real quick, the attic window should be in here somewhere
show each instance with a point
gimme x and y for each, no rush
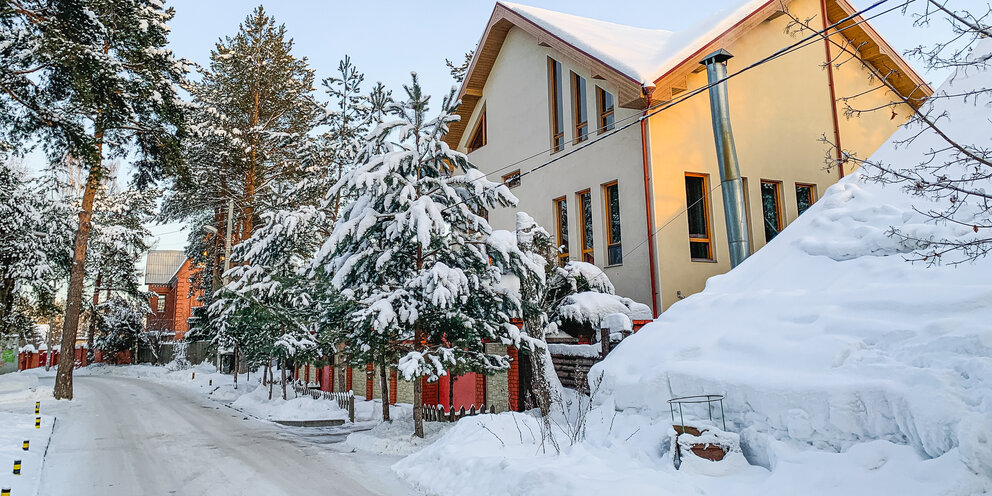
(554, 90)
(604, 105)
(580, 112)
(479, 134)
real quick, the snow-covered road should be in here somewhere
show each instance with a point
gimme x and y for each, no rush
(124, 436)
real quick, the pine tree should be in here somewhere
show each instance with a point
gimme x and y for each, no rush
(413, 255)
(458, 72)
(100, 83)
(253, 109)
(35, 247)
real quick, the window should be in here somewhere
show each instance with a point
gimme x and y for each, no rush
(604, 105)
(805, 196)
(512, 180)
(557, 126)
(161, 303)
(561, 228)
(580, 110)
(697, 200)
(479, 135)
(771, 207)
(614, 250)
(585, 226)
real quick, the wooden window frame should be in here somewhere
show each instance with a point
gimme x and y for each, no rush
(601, 114)
(780, 212)
(812, 195)
(707, 219)
(161, 303)
(558, 203)
(480, 127)
(555, 99)
(583, 239)
(579, 103)
(510, 181)
(608, 227)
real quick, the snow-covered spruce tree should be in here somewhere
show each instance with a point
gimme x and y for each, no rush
(537, 256)
(115, 247)
(35, 242)
(459, 71)
(103, 84)
(414, 256)
(119, 323)
(266, 311)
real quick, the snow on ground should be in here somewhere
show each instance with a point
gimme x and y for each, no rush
(258, 404)
(396, 437)
(846, 368)
(18, 394)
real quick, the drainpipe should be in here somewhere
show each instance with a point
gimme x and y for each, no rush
(646, 156)
(730, 172)
(833, 95)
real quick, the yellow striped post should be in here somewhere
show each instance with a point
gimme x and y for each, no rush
(5, 492)
(37, 407)
(17, 467)
(37, 422)
(26, 444)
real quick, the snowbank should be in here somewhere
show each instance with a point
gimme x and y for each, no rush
(396, 437)
(258, 404)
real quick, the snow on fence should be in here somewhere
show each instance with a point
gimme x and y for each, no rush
(573, 361)
(345, 400)
(436, 413)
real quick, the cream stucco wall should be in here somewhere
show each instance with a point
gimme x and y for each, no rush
(779, 111)
(517, 104)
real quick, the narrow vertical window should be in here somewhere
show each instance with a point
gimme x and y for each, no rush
(161, 303)
(614, 250)
(479, 134)
(604, 106)
(580, 110)
(561, 229)
(805, 196)
(585, 218)
(697, 201)
(771, 207)
(557, 126)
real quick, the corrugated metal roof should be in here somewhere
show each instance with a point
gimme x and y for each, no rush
(161, 265)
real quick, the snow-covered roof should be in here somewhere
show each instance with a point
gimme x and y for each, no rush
(639, 60)
(161, 265)
(641, 54)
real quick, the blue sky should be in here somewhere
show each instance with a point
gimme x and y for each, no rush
(387, 39)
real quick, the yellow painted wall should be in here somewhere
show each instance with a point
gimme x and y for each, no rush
(779, 111)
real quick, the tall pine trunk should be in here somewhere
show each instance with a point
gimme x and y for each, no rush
(418, 394)
(236, 367)
(74, 294)
(384, 387)
(282, 370)
(272, 380)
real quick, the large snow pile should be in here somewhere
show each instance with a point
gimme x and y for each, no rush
(846, 368)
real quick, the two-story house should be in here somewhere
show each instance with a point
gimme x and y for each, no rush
(167, 274)
(599, 131)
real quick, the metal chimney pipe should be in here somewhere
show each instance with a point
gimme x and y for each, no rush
(726, 153)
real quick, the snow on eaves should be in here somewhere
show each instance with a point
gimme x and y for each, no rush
(642, 54)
